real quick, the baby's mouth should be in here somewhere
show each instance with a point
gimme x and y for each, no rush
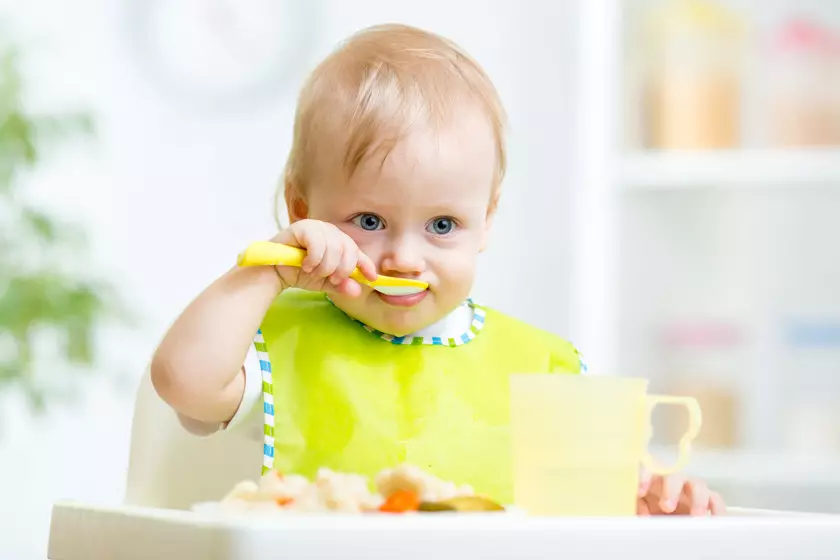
(399, 290)
(404, 300)
(394, 286)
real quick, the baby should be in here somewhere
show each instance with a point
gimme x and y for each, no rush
(396, 168)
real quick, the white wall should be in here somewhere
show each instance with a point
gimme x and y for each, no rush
(171, 195)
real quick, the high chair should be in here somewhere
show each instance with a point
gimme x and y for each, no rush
(168, 468)
(167, 473)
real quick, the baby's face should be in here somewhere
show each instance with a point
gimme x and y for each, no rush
(425, 213)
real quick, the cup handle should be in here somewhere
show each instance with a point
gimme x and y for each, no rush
(695, 420)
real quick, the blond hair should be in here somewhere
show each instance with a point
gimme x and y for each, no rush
(364, 96)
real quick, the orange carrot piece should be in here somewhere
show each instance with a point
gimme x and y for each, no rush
(401, 501)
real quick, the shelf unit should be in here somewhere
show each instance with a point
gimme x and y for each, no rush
(773, 249)
(794, 168)
(767, 469)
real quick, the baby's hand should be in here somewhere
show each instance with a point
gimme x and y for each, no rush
(331, 257)
(676, 495)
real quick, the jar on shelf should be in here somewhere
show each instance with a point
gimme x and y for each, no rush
(810, 368)
(692, 81)
(803, 78)
(834, 86)
(704, 360)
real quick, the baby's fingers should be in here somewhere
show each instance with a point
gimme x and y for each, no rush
(716, 504)
(644, 481)
(697, 497)
(643, 508)
(314, 242)
(333, 255)
(349, 258)
(366, 266)
(672, 489)
(349, 287)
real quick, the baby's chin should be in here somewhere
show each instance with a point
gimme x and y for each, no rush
(393, 320)
(400, 322)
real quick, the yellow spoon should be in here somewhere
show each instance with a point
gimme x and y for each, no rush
(262, 253)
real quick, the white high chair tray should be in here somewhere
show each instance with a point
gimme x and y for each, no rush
(83, 532)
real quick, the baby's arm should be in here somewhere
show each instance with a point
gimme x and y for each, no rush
(197, 369)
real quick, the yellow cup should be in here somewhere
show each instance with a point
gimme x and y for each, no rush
(578, 442)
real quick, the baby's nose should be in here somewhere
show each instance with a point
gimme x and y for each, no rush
(403, 259)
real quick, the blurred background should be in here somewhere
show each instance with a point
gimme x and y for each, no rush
(677, 163)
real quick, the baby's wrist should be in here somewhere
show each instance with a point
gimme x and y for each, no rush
(279, 278)
(267, 276)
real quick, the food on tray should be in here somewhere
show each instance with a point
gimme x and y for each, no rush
(400, 490)
(462, 504)
(329, 491)
(428, 488)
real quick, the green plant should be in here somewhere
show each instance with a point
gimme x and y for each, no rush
(40, 298)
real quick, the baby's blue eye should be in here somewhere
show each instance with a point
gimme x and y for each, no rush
(368, 222)
(441, 226)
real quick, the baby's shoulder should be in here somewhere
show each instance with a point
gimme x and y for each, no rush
(517, 333)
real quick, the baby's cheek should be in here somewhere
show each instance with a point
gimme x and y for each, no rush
(368, 244)
(460, 274)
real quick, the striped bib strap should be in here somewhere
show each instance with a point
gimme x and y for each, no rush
(268, 402)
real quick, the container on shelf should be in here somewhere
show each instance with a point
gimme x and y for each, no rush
(811, 369)
(802, 66)
(692, 82)
(703, 359)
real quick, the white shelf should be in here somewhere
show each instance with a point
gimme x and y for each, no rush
(736, 168)
(745, 468)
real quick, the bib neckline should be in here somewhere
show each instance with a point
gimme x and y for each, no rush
(479, 318)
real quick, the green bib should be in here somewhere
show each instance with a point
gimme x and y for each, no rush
(338, 394)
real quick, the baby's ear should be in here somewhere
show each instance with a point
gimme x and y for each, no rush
(491, 215)
(296, 204)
